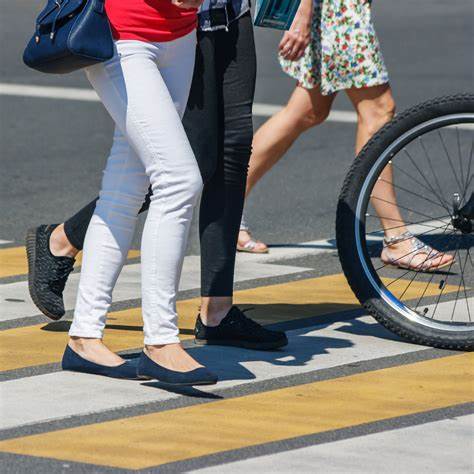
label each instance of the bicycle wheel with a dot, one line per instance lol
(429, 152)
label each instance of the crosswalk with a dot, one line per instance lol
(342, 379)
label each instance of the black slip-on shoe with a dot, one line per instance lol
(149, 369)
(238, 330)
(73, 362)
(47, 274)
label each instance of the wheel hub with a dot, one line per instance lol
(463, 217)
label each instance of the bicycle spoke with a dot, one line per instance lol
(402, 207)
(440, 196)
(445, 282)
(405, 273)
(442, 250)
(449, 159)
(413, 251)
(429, 256)
(460, 157)
(461, 281)
(468, 174)
(383, 230)
(414, 194)
(425, 151)
(464, 287)
(419, 183)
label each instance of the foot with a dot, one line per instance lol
(149, 369)
(172, 357)
(47, 273)
(238, 330)
(94, 350)
(410, 253)
(246, 243)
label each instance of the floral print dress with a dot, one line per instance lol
(344, 51)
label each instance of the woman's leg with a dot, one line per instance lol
(375, 107)
(223, 194)
(136, 95)
(305, 109)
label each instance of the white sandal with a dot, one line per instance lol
(251, 245)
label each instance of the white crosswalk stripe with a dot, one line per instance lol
(416, 449)
(15, 302)
(313, 348)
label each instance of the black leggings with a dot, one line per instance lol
(218, 121)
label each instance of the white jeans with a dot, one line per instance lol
(144, 87)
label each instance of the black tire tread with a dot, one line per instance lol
(377, 308)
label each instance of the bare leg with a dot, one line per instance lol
(305, 109)
(214, 309)
(375, 107)
(59, 244)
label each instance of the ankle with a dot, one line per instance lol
(83, 343)
(59, 244)
(151, 350)
(214, 310)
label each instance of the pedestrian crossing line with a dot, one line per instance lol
(60, 395)
(14, 303)
(13, 261)
(175, 435)
(43, 344)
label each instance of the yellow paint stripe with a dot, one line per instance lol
(13, 261)
(185, 433)
(44, 344)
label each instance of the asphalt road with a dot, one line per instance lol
(345, 396)
(53, 151)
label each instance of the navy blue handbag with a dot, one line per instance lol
(70, 35)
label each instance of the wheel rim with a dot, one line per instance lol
(451, 307)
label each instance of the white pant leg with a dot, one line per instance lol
(135, 94)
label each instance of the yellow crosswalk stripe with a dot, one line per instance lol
(13, 261)
(44, 344)
(169, 436)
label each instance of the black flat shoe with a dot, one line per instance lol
(74, 362)
(239, 331)
(150, 369)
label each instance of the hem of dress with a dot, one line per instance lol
(336, 88)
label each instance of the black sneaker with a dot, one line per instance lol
(47, 274)
(238, 330)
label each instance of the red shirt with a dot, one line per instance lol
(149, 20)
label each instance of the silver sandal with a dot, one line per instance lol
(417, 248)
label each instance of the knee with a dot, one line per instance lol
(189, 186)
(308, 118)
(194, 183)
(377, 116)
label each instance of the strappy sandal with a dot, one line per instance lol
(251, 245)
(418, 247)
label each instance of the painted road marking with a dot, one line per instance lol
(444, 444)
(15, 302)
(311, 348)
(89, 95)
(13, 261)
(294, 300)
(184, 433)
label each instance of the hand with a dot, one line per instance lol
(297, 38)
(187, 4)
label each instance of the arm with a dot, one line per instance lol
(296, 39)
(187, 3)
